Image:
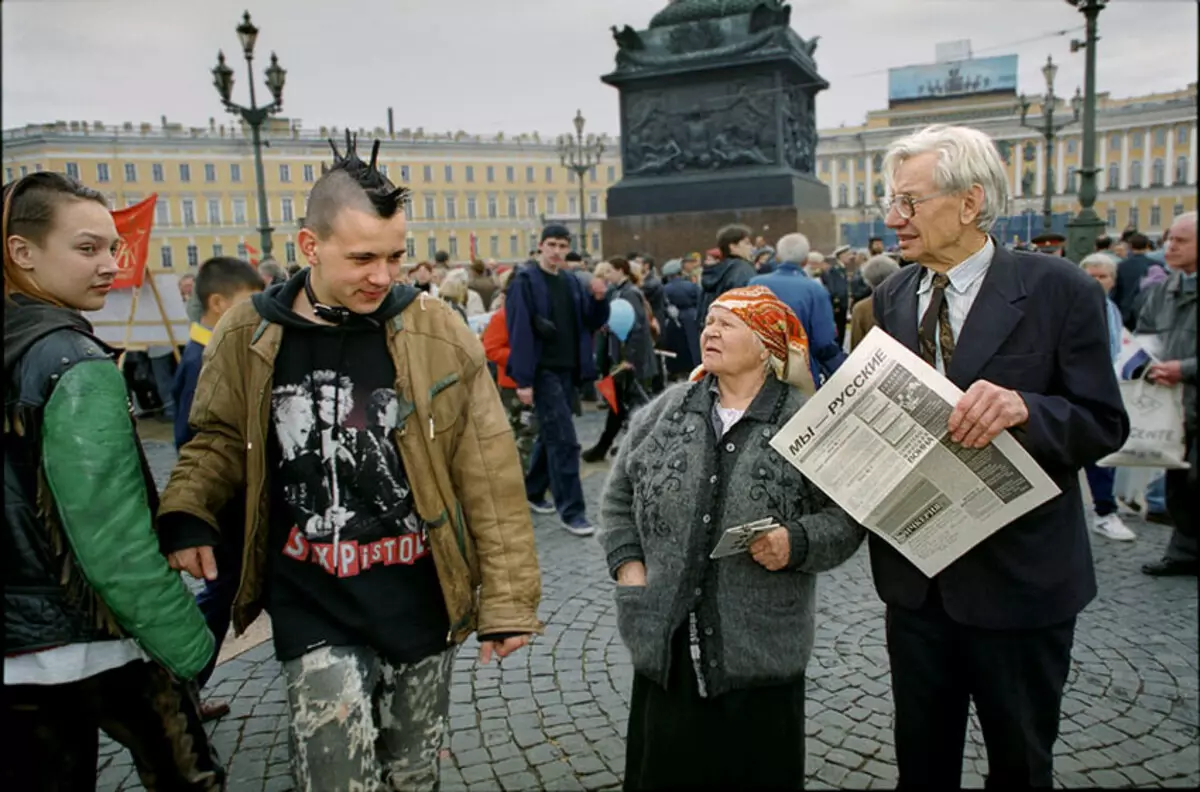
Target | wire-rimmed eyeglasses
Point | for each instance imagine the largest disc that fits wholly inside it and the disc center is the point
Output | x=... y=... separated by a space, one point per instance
x=906 y=205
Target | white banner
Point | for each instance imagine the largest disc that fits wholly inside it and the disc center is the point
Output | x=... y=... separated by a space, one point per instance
x=874 y=438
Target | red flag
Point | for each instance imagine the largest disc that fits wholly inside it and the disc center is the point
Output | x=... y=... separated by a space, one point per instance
x=133 y=225
x=251 y=251
x=608 y=389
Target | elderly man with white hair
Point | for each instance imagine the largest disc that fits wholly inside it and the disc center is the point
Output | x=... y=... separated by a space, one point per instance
x=809 y=300
x=1024 y=336
x=1168 y=311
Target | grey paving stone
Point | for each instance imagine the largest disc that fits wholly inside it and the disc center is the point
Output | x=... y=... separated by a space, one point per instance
x=471 y=757
x=1132 y=694
x=523 y=781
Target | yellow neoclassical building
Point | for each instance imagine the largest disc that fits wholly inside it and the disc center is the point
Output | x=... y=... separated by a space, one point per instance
x=499 y=190
x=1145 y=151
x=496 y=191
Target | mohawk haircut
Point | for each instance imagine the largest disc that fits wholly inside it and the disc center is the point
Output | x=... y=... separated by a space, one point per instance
x=351 y=183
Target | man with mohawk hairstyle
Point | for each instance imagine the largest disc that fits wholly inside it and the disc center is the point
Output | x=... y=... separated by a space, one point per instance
x=373 y=562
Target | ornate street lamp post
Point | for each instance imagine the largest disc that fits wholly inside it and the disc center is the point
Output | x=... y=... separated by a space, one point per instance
x=1083 y=228
x=580 y=154
x=253 y=115
x=1049 y=130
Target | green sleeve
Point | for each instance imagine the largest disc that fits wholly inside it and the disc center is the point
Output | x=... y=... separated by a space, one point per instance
x=93 y=469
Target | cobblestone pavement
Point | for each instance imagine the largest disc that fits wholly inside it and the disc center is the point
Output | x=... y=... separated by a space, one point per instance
x=553 y=716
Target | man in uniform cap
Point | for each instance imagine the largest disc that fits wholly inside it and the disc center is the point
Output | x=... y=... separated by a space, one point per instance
x=1051 y=244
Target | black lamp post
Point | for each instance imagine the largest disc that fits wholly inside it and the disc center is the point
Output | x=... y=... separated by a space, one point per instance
x=1085 y=227
x=1049 y=130
x=253 y=115
x=580 y=154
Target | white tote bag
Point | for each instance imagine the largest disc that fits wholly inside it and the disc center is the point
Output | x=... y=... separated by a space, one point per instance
x=1156 y=436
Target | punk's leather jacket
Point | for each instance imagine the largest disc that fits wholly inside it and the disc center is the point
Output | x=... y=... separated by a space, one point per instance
x=80 y=558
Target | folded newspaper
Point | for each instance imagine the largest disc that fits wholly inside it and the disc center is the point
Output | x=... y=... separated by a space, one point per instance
x=874 y=438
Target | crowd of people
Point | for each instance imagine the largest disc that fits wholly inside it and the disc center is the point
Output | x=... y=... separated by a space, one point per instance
x=362 y=442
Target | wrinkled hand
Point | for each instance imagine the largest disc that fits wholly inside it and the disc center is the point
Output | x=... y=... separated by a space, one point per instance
x=198 y=562
x=1169 y=373
x=985 y=411
x=773 y=550
x=502 y=648
x=631 y=573
x=526 y=396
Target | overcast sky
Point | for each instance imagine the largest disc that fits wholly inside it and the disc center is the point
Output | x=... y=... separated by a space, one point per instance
x=515 y=65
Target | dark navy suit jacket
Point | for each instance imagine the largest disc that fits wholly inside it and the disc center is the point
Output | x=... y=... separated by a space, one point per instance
x=528 y=296
x=1039 y=327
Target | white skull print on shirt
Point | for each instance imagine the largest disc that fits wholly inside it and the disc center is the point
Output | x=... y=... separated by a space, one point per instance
x=343 y=480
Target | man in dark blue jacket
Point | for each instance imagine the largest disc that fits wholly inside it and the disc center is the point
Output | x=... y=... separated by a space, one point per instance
x=1129 y=278
x=551 y=318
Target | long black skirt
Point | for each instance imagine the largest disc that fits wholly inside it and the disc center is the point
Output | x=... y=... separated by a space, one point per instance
x=743 y=739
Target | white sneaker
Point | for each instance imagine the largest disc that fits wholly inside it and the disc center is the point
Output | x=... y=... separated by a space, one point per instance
x=1112 y=526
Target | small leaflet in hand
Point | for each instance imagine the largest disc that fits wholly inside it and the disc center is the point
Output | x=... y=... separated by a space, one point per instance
x=739 y=538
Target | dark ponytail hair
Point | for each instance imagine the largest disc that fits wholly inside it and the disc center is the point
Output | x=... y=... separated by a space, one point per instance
x=29 y=206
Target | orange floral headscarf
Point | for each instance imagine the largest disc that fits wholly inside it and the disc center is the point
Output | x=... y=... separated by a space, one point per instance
x=777 y=327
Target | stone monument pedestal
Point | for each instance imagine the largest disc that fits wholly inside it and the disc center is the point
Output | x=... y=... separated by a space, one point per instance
x=717 y=127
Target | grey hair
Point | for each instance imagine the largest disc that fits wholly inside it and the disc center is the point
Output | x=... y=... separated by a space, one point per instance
x=1186 y=217
x=792 y=249
x=816 y=257
x=1102 y=260
x=878 y=268
x=966 y=157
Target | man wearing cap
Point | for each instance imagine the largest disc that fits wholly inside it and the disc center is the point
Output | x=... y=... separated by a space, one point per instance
x=837 y=284
x=551 y=318
x=1051 y=244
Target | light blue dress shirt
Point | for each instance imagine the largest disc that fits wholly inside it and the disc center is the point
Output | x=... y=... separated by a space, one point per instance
x=965 y=281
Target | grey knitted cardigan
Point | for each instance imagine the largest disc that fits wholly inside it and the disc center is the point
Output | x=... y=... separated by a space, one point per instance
x=673 y=490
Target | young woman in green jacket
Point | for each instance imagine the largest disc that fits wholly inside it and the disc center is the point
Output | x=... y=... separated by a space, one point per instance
x=99 y=633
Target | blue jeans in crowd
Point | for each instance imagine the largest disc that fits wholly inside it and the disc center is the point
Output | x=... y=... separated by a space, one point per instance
x=554 y=461
x=1156 y=496
x=216 y=599
x=1100 y=481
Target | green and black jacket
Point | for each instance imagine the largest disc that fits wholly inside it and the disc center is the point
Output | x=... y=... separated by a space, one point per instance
x=81 y=560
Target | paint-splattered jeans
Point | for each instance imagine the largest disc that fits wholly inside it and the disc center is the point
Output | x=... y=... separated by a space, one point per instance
x=360 y=724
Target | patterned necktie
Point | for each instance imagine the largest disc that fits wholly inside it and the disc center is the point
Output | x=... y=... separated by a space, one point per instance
x=935 y=325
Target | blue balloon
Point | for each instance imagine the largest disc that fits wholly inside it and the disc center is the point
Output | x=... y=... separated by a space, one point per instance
x=620 y=318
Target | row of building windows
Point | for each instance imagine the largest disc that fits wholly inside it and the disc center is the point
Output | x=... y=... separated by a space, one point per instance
x=1030 y=150
x=308 y=172
x=287 y=209
x=1157 y=179
x=493 y=249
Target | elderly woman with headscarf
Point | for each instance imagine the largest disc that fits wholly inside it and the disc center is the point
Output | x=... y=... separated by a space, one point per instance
x=719 y=646
x=862 y=316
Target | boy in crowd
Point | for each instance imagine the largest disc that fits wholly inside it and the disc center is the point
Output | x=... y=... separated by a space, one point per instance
x=222 y=283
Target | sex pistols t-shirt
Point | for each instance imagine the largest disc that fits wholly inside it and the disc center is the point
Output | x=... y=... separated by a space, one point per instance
x=349 y=561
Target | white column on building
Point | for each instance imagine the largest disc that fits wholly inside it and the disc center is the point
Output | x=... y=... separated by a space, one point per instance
x=1125 y=160
x=1018 y=161
x=851 y=192
x=1191 y=174
x=833 y=181
x=1060 y=176
x=1040 y=184
x=1102 y=162
x=1169 y=165
x=868 y=167
x=1147 y=159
